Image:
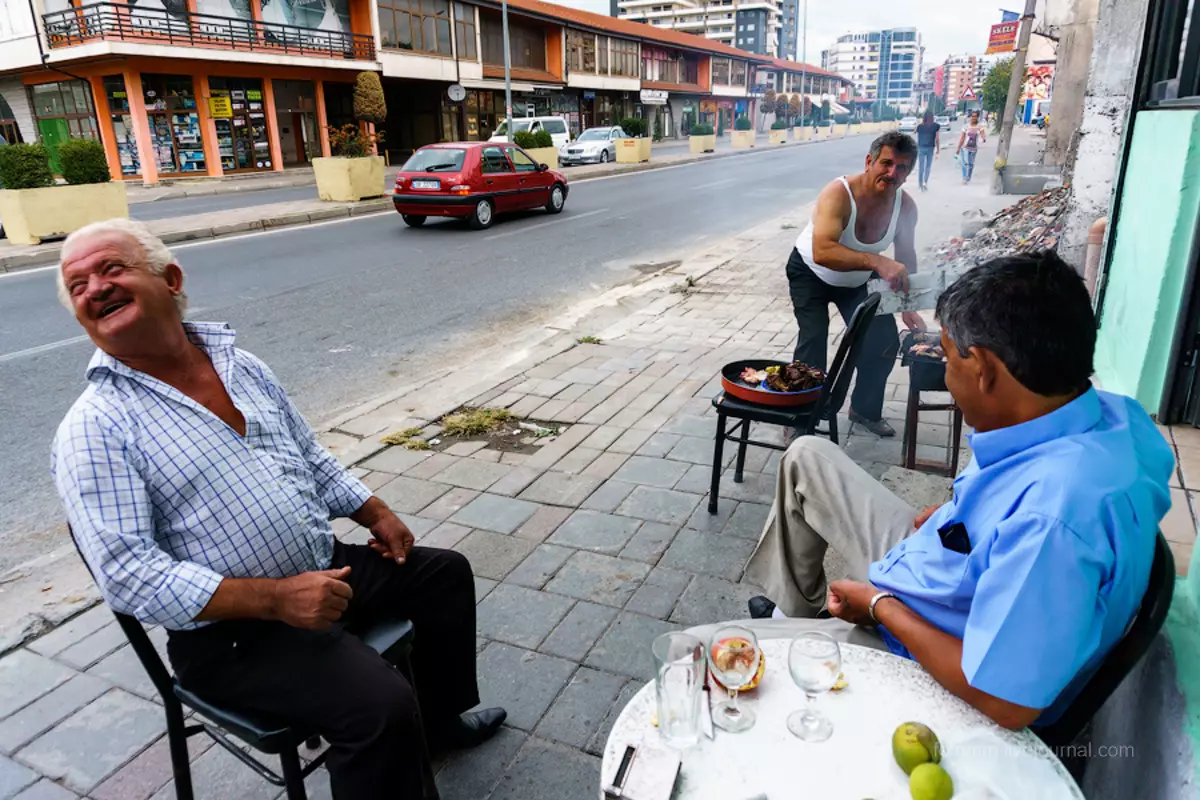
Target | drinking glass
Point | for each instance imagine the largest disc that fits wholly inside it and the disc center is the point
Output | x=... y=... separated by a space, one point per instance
x=733 y=657
x=815 y=661
x=678 y=685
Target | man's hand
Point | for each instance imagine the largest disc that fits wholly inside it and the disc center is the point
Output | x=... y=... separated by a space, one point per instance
x=391 y=538
x=313 y=600
x=895 y=273
x=851 y=601
x=924 y=516
x=913 y=321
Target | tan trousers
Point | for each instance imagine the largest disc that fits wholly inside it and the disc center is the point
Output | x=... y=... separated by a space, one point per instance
x=822 y=500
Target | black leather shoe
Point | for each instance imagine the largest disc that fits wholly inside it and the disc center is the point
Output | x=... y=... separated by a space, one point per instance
x=470 y=730
x=760 y=607
x=879 y=427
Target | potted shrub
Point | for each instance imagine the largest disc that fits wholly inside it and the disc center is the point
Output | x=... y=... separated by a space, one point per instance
x=702 y=140
x=33 y=207
x=743 y=133
x=779 y=130
x=355 y=170
x=539 y=145
x=635 y=149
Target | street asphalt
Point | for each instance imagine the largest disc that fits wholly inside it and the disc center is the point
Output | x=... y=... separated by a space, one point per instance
x=346 y=310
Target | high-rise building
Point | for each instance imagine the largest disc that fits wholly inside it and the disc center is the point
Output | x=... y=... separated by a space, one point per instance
x=751 y=25
x=789 y=34
x=959 y=72
x=884 y=65
x=606 y=7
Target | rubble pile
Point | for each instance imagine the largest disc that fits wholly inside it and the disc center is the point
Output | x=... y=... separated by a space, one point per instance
x=1034 y=223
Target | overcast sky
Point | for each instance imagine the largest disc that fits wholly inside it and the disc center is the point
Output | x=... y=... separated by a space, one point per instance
x=947 y=27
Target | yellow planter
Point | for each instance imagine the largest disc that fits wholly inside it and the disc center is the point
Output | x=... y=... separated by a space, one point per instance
x=30 y=215
x=802 y=134
x=779 y=137
x=821 y=134
x=544 y=155
x=743 y=140
x=348 y=180
x=702 y=144
x=838 y=131
x=633 y=151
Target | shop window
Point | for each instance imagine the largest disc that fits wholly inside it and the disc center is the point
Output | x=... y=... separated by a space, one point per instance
x=243 y=139
x=420 y=25
x=121 y=121
x=581 y=51
x=625 y=58
x=464 y=30
x=720 y=71
x=738 y=76
x=527 y=43
x=175 y=135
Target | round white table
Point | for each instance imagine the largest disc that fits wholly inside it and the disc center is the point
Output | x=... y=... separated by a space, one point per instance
x=986 y=761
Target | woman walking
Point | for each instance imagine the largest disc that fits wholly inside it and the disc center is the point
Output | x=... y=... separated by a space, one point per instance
x=968 y=145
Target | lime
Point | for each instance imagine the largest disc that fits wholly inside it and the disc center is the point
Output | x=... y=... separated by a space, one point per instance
x=930 y=782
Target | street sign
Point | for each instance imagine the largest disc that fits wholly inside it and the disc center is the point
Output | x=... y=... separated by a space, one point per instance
x=969 y=94
x=1003 y=38
x=220 y=107
x=653 y=97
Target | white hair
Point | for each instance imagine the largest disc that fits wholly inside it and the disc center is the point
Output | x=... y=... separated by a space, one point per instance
x=157 y=255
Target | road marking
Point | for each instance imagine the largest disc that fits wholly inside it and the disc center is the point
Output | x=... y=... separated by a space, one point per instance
x=41 y=348
x=715 y=183
x=528 y=228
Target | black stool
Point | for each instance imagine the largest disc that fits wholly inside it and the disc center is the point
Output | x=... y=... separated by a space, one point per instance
x=928 y=375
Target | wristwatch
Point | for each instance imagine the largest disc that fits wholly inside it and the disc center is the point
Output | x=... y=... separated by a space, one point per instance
x=876 y=599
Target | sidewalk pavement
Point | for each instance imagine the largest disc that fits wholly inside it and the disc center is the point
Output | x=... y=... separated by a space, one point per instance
x=586 y=545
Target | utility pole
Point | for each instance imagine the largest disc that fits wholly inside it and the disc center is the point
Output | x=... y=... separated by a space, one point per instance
x=804 y=65
x=1014 y=95
x=508 y=117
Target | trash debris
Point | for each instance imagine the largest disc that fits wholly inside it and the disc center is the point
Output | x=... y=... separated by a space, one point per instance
x=435 y=441
x=1033 y=223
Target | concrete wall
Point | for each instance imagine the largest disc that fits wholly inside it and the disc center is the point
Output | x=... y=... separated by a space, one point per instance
x=1150 y=248
x=1116 y=51
x=1072 y=22
x=18 y=99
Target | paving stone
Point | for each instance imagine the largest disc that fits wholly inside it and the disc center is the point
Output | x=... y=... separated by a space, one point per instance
x=696 y=480
x=598 y=578
x=445 y=536
x=493 y=555
x=46 y=790
x=653 y=601
x=469 y=774
x=594 y=531
x=86 y=747
x=747 y=521
x=543 y=523
x=482 y=587
x=708 y=599
x=579 y=631
x=548 y=771
x=410 y=495
x=707 y=553
x=489 y=455
x=583 y=375
x=651 y=472
x=515 y=481
x=520 y=616
x=522 y=681
x=471 y=473
x=605 y=465
x=699 y=451
x=373 y=480
x=123 y=669
x=14 y=777
x=49 y=709
x=74 y=630
x=494 y=513
x=754 y=488
x=395 y=460
x=659 y=445
x=563 y=444
x=650 y=542
x=418 y=525
x=599 y=739
x=89 y=650
x=576 y=461
x=581 y=707
x=665 y=576
x=701 y=520
x=464 y=449
x=431 y=466
x=609 y=496
x=449 y=504
x=26 y=676
x=539 y=566
x=659 y=505
x=629 y=441
x=555 y=488
x=625 y=646
x=688 y=425
x=602 y=437
x=218 y=775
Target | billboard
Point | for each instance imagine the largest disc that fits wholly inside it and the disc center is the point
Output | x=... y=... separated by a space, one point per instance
x=1003 y=38
x=1039 y=82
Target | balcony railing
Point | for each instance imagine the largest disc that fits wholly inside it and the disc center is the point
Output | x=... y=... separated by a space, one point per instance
x=128 y=23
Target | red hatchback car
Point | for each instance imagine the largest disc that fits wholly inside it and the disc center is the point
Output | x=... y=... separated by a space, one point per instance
x=475 y=181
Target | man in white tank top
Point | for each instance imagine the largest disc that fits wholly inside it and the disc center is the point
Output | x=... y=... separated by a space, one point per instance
x=855 y=220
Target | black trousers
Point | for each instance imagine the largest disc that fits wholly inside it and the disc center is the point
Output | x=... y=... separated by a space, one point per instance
x=331 y=681
x=811 y=297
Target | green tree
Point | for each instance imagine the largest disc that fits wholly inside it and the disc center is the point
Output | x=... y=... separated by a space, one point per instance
x=995 y=87
x=369 y=105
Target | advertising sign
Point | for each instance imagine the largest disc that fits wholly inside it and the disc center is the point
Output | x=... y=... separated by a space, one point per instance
x=1003 y=38
x=220 y=107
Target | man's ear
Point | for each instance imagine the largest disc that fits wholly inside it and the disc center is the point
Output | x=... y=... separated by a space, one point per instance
x=987 y=369
x=173 y=275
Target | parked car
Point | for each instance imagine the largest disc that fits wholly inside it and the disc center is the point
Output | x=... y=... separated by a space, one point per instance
x=909 y=125
x=555 y=126
x=475 y=181
x=943 y=120
x=598 y=145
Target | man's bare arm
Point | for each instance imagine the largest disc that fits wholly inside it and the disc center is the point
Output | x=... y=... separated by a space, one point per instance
x=906 y=233
x=829 y=223
x=309 y=600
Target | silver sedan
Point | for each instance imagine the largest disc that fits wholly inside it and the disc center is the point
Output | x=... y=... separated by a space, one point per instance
x=594 y=146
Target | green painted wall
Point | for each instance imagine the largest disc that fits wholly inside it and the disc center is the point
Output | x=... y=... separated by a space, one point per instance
x=1153 y=240
x=1183 y=630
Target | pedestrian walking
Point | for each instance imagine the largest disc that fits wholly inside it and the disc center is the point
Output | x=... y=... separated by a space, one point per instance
x=929 y=145
x=968 y=145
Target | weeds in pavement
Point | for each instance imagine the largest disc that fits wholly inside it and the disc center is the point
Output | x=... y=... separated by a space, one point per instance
x=474 y=421
x=687 y=287
x=407 y=439
x=589 y=340
x=787 y=226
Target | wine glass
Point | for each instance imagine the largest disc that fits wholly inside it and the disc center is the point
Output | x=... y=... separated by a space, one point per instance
x=815 y=661
x=733 y=657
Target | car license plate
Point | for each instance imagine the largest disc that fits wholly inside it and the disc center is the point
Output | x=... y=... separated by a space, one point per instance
x=418 y=184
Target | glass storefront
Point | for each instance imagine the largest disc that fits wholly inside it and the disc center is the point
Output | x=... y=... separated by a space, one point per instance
x=63 y=110
x=122 y=124
x=243 y=138
x=175 y=136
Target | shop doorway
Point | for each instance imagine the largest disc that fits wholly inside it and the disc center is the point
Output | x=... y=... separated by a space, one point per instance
x=415 y=118
x=243 y=138
x=296 y=115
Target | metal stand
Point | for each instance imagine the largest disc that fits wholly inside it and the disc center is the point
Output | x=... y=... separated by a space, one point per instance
x=911 y=420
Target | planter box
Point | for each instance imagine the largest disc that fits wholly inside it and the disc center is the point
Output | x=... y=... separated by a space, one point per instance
x=838 y=131
x=802 y=134
x=702 y=144
x=544 y=155
x=633 y=151
x=30 y=215
x=779 y=137
x=743 y=140
x=348 y=180
x=820 y=134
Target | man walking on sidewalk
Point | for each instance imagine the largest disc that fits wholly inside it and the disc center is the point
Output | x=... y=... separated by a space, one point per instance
x=929 y=144
x=855 y=220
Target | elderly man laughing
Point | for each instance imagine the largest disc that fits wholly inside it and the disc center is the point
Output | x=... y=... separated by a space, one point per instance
x=201 y=500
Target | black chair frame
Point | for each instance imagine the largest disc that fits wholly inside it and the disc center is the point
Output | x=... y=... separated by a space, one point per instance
x=805 y=419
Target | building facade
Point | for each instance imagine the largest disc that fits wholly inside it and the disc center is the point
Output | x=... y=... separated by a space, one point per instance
x=884 y=65
x=789 y=33
x=715 y=19
x=958 y=73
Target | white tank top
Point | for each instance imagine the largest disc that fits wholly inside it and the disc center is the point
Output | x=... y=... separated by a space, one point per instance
x=848 y=239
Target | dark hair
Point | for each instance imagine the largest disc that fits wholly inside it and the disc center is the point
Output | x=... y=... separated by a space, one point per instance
x=901 y=143
x=1033 y=312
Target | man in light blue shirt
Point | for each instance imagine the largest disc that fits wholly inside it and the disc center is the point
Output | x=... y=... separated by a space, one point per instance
x=1012 y=593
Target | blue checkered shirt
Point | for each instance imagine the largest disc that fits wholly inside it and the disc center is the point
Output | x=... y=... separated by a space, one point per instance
x=166 y=500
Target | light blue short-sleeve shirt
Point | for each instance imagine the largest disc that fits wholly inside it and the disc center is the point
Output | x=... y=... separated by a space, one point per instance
x=1062 y=513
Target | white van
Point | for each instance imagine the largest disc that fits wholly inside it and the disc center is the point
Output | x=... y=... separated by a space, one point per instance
x=555 y=126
